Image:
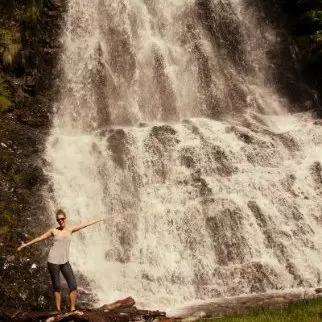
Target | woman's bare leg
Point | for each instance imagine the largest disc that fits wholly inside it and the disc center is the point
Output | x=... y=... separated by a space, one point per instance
x=57 y=300
x=72 y=300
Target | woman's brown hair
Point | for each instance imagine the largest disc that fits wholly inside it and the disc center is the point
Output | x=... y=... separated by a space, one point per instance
x=60 y=212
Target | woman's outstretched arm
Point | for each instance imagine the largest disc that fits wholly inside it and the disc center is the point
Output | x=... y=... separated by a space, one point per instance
x=81 y=226
x=36 y=240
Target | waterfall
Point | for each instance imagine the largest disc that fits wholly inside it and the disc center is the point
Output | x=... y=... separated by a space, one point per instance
x=169 y=126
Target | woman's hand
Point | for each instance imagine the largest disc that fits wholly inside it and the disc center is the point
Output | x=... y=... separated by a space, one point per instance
x=21 y=247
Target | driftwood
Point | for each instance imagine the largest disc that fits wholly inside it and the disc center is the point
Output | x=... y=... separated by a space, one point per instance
x=119 y=311
x=125 y=303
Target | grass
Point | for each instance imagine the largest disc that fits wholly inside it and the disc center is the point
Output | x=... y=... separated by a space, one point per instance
x=304 y=311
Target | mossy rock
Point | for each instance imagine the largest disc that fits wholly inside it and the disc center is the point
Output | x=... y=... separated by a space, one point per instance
x=5 y=104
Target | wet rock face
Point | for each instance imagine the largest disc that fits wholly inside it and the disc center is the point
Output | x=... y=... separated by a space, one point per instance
x=277 y=240
x=241 y=135
x=260 y=217
x=187 y=158
x=166 y=94
x=219 y=21
x=224 y=168
x=291 y=64
x=165 y=135
x=23 y=129
x=288 y=142
x=258 y=276
x=225 y=227
x=161 y=141
x=210 y=156
x=119 y=147
x=255 y=276
x=316 y=172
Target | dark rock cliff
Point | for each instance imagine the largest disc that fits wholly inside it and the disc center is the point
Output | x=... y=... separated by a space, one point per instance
x=299 y=57
x=29 y=44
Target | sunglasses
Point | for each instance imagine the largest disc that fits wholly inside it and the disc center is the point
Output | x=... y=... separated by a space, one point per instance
x=60 y=219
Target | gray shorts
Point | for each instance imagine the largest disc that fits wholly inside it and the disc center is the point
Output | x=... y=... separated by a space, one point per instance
x=66 y=269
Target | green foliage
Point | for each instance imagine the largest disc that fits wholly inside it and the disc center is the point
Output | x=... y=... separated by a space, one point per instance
x=315 y=16
x=317 y=37
x=4 y=230
x=29 y=12
x=308 y=311
x=10 y=44
x=21 y=10
x=17 y=177
x=7 y=217
x=5 y=102
x=18 y=22
x=315 y=19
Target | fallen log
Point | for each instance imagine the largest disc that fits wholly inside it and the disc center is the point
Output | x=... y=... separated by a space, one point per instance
x=119 y=311
x=125 y=303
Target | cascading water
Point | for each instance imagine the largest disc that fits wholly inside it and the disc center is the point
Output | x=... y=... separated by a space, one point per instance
x=170 y=127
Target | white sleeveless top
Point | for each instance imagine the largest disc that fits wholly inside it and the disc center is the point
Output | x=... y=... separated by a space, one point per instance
x=59 y=251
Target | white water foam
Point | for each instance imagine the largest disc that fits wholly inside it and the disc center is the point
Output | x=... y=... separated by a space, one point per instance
x=195 y=207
